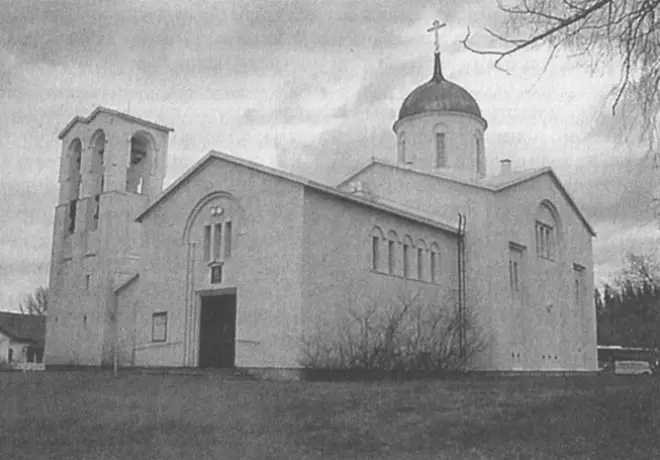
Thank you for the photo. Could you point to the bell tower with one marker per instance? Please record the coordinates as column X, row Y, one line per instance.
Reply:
column 112, row 166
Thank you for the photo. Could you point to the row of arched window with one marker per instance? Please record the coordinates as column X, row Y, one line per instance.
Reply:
column 136, row 173
column 405, row 257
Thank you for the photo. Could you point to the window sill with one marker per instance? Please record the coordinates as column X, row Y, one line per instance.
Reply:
column 403, row 277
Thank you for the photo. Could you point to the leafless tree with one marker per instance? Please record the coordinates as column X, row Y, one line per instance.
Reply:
column 640, row 270
column 602, row 31
column 406, row 334
column 36, row 303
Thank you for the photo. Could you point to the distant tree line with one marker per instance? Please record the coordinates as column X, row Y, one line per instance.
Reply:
column 628, row 310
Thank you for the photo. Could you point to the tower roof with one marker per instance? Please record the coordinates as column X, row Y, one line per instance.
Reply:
column 439, row 95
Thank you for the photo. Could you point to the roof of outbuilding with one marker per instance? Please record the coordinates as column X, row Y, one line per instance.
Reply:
column 24, row 328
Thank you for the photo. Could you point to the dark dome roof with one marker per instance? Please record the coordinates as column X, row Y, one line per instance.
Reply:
column 439, row 94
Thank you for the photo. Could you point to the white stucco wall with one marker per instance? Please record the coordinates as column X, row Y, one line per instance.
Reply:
column 264, row 269
column 494, row 219
column 461, row 132
column 337, row 264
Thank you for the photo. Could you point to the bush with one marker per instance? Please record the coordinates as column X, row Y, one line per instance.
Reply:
column 407, row 334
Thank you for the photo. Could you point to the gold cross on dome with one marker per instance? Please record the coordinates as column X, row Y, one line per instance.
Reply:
column 436, row 26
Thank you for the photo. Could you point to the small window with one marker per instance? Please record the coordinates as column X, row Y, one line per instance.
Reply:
column 420, row 264
column 579, row 283
column 73, row 204
column 478, row 148
column 375, row 242
column 434, row 267
column 87, row 281
column 406, row 261
column 391, row 257
column 440, row 159
column 217, row 241
column 514, row 277
column 207, row 243
column 216, row 274
column 159, row 327
column 10, row 355
column 227, row 240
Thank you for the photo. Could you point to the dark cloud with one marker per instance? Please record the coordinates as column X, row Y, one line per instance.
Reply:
column 236, row 36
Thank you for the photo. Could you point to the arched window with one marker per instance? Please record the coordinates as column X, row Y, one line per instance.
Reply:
column 547, row 231
column 97, row 169
column 408, row 256
column 392, row 246
column 440, row 145
column 377, row 239
column 74, row 178
column 435, row 263
column 421, row 254
column 138, row 170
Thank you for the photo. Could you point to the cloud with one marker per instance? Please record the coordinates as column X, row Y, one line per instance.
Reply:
column 312, row 86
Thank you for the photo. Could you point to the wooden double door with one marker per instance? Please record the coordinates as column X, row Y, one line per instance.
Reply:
column 217, row 333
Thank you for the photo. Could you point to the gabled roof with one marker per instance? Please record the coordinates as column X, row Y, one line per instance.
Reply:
column 365, row 201
column 24, row 328
column 125, row 116
column 494, row 183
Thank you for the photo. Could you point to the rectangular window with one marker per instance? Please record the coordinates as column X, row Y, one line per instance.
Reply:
column 207, row 243
column 515, row 264
column 73, row 204
column 159, row 327
column 227, row 240
column 217, row 241
column 216, row 274
column 544, row 240
column 406, row 261
column 420, row 264
column 391, row 257
column 440, row 150
column 374, row 253
column 578, row 281
column 87, row 280
column 433, row 267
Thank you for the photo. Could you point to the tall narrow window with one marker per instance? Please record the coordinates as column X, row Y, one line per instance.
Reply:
column 138, row 167
column 159, row 327
column 97, row 168
column 391, row 256
column 227, row 240
column 73, row 205
column 402, row 148
column 440, row 157
column 375, row 241
column 207, row 243
column 217, row 241
column 515, row 261
column 478, row 149
column 434, row 268
column 406, row 261
column 544, row 240
column 578, row 281
column 420, row 264
column 546, row 231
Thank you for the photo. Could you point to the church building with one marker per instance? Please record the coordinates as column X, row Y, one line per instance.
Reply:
column 235, row 263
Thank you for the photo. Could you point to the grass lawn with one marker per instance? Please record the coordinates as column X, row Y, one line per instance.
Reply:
column 95, row 415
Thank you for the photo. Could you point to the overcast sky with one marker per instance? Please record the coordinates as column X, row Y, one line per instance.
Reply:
column 310, row 86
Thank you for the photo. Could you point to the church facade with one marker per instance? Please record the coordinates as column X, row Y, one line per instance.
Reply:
column 235, row 263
